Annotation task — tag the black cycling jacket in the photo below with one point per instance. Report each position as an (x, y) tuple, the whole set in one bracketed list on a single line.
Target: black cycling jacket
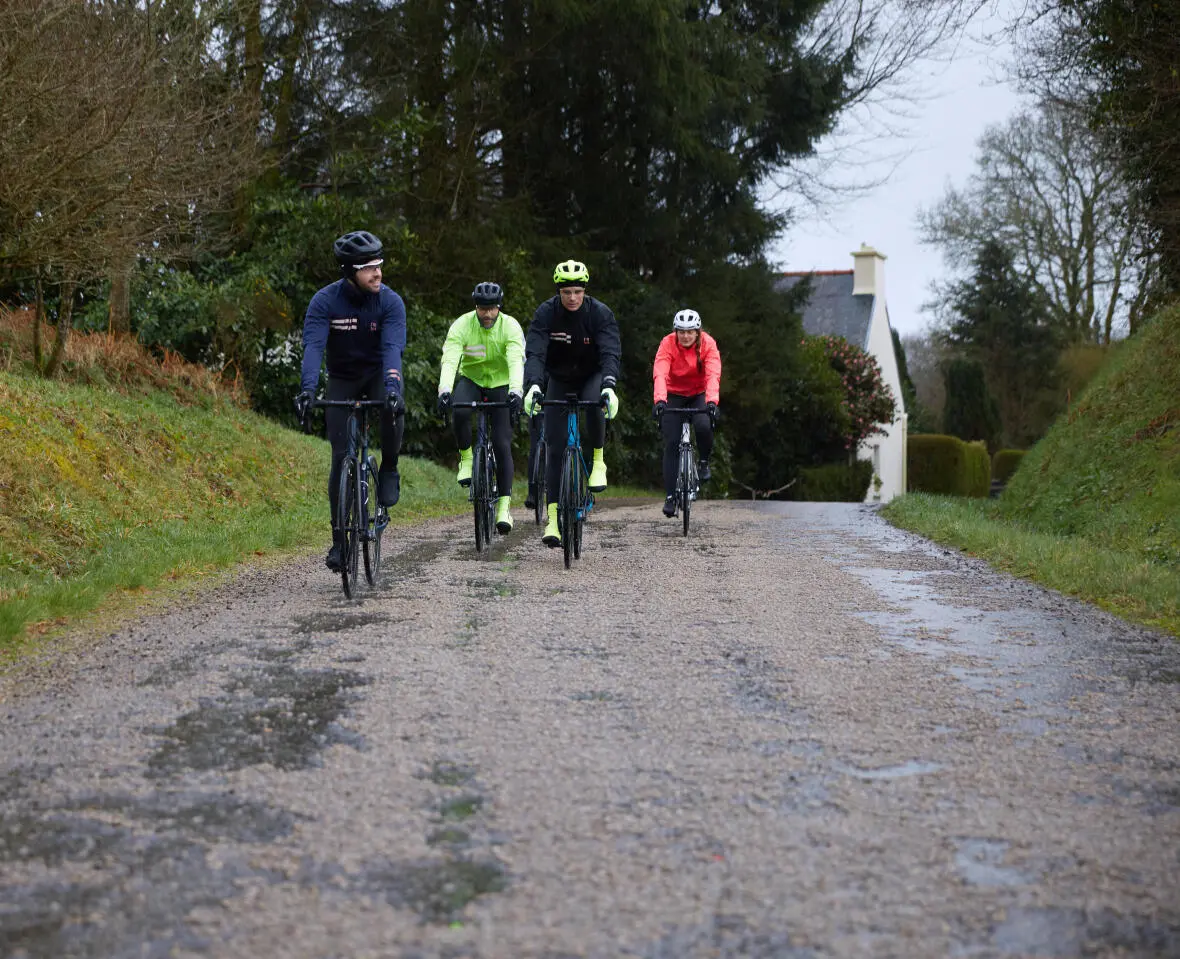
[(572, 346)]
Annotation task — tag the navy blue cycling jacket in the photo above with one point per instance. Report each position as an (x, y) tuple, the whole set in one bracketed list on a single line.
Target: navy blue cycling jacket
[(363, 333)]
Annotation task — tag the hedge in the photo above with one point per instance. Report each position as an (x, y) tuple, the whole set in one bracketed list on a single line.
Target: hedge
[(947, 465), (834, 482), (1004, 464)]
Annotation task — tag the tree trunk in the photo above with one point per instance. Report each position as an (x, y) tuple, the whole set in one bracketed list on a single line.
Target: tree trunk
[(292, 49), (38, 313), (65, 319), (119, 302)]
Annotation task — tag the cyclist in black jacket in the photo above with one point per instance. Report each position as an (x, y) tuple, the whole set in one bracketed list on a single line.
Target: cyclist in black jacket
[(574, 341), (361, 324)]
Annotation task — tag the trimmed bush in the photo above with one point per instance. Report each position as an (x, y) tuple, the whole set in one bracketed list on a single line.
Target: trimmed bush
[(977, 470), (946, 465), (1004, 464), (834, 482)]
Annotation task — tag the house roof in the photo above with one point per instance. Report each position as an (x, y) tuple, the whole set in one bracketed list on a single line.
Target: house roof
[(833, 310)]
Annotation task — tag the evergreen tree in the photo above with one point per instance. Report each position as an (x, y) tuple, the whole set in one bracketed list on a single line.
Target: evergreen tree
[(971, 412), (1001, 322)]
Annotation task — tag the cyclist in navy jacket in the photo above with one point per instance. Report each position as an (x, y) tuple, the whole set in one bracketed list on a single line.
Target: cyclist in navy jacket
[(361, 323)]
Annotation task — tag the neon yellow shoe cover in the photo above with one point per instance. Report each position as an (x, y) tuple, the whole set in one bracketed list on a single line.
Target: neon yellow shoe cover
[(597, 481)]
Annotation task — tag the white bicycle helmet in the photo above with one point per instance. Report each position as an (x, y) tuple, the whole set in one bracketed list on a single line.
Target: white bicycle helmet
[(686, 320)]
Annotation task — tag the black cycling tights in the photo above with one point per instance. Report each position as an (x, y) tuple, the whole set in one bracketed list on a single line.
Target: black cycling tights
[(336, 417), (593, 428), (671, 429), (467, 391)]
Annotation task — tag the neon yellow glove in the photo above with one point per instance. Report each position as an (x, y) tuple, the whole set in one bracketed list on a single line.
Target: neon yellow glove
[(532, 400), (612, 403)]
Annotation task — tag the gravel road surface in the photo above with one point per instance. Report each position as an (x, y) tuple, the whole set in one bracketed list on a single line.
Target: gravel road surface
[(796, 733)]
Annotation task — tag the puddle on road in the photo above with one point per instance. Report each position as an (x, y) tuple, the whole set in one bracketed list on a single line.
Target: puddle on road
[(913, 767), (980, 863), (336, 621), (1033, 647), (150, 869), (276, 715), (1029, 933), (437, 891)]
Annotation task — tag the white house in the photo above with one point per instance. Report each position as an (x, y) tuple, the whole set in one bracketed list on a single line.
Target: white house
[(851, 304)]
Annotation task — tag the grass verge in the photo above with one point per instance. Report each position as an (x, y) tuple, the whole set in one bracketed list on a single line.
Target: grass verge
[(1119, 581), (105, 496)]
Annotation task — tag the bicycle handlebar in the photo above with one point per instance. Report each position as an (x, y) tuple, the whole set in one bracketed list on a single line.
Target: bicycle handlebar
[(684, 411), (354, 404), (579, 404)]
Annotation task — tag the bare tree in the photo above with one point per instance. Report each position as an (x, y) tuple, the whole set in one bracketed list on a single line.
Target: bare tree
[(1052, 192), (121, 138)]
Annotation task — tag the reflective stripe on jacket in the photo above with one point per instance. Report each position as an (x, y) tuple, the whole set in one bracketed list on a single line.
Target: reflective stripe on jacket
[(489, 358)]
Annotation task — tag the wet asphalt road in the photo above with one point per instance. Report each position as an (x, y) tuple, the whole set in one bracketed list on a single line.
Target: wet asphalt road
[(798, 733)]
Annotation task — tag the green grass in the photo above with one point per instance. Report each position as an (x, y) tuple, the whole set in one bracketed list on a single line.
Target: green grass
[(1094, 508), (1119, 581), (105, 496)]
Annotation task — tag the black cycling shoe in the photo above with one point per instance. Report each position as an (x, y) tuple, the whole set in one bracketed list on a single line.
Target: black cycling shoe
[(335, 558), (389, 487), (704, 473), (669, 506)]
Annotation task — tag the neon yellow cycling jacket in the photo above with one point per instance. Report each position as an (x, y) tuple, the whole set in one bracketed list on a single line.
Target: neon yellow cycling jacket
[(488, 358)]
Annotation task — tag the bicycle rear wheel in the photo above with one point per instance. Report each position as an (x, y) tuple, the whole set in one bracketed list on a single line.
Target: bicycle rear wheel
[(348, 521), (685, 481), (538, 482), (369, 520)]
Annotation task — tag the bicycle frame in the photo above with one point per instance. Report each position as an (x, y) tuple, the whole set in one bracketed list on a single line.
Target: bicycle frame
[(573, 505), (482, 492), (687, 482), (362, 530)]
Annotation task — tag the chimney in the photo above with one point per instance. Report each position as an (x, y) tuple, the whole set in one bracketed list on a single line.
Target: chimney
[(868, 272)]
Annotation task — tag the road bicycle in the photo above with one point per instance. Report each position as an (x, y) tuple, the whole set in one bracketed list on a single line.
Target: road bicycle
[(574, 499), (483, 492), (360, 519), (688, 483), (537, 480)]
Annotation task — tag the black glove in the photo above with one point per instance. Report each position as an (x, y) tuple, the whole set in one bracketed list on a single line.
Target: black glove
[(657, 411), (515, 402), (394, 402), (444, 403), (303, 403), (711, 409)]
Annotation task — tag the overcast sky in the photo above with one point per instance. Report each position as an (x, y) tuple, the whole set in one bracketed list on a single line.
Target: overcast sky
[(961, 99)]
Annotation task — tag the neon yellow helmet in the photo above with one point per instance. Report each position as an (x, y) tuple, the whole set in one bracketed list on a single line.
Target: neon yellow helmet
[(571, 271)]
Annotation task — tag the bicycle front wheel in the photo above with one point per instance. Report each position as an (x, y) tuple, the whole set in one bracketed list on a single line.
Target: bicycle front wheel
[(372, 532), (479, 495), (569, 503), (348, 522), (686, 483)]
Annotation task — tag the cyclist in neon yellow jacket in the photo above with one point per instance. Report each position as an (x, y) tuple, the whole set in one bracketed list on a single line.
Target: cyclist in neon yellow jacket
[(483, 359)]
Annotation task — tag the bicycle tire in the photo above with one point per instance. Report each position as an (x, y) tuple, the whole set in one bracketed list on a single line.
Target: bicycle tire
[(569, 505), (583, 498), (479, 495), (347, 521), (369, 516), (686, 482), (538, 482)]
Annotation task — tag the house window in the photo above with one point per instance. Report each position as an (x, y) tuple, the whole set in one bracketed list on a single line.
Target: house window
[(877, 458)]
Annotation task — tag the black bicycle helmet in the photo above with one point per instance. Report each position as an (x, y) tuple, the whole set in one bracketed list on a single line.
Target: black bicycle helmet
[(356, 249), (488, 294)]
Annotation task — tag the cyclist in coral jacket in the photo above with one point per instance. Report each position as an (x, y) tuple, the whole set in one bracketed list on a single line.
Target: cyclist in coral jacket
[(686, 373)]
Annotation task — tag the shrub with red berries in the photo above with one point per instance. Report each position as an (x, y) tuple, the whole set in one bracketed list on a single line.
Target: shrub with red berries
[(868, 401)]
